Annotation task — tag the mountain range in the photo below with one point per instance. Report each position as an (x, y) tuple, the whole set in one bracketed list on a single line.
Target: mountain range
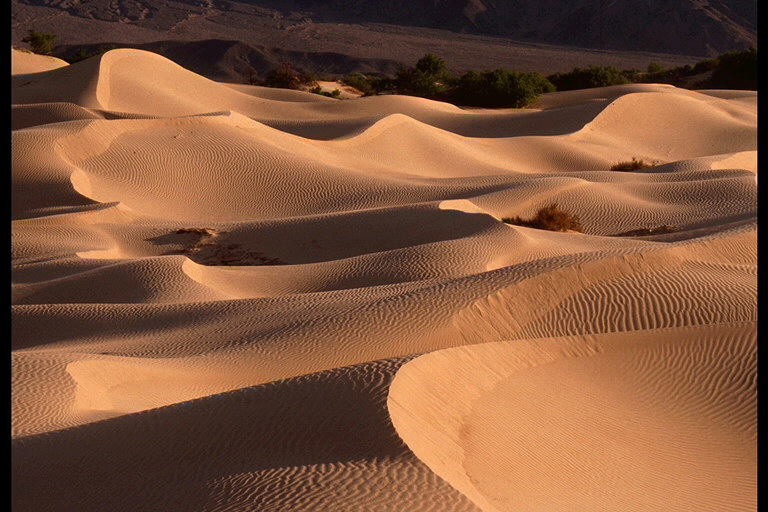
[(231, 38)]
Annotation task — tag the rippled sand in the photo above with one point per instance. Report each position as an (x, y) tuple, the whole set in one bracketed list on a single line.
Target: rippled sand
[(232, 298)]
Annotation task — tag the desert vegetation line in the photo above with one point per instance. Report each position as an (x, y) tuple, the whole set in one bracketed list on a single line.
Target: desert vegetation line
[(430, 78)]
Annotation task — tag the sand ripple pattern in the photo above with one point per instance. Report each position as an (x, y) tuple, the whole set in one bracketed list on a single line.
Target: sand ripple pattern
[(229, 298), (648, 420)]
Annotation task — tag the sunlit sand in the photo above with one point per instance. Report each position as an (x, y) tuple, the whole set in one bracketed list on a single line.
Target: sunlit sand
[(230, 298)]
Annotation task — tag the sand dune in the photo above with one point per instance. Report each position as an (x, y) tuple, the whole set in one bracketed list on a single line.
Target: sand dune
[(630, 421), (236, 298)]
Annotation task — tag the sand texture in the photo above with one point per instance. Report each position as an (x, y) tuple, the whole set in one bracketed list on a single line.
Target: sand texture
[(233, 298)]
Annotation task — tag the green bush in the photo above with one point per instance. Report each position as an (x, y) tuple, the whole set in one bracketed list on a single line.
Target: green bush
[(655, 67), (736, 70), (499, 88), (431, 64), (40, 42), (336, 93), (732, 70), (634, 75), (550, 218), (286, 77), (428, 78), (594, 76), (366, 84), (704, 66)]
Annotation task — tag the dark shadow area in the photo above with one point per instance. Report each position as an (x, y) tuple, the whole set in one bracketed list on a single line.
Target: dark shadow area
[(202, 245), (321, 238), (167, 456)]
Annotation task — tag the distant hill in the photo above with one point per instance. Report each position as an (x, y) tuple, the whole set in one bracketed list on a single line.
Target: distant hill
[(688, 27), (337, 36), (237, 62), (684, 27)]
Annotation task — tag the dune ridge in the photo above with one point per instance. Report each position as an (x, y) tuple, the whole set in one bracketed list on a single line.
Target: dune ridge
[(282, 301)]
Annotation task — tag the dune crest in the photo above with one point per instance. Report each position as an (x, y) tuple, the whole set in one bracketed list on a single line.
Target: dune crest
[(226, 297), (603, 422), (26, 63)]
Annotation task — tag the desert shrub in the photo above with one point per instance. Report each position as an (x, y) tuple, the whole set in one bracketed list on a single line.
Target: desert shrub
[(731, 70), (735, 70), (594, 76), (40, 42), (549, 217), (704, 65), (367, 84), (631, 165), (428, 78), (634, 75), (433, 65), (336, 93), (499, 88), (286, 77), (666, 76), (418, 83)]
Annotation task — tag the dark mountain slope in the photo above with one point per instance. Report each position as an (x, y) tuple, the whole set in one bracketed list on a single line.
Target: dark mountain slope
[(238, 62), (689, 27), (681, 27), (230, 40)]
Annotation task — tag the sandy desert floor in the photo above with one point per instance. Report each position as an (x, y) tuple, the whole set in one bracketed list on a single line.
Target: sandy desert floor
[(232, 298)]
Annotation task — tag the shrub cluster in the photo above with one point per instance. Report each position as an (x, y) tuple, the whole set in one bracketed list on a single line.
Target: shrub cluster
[(368, 84), (336, 93), (731, 70), (40, 42), (735, 70), (286, 77), (499, 88), (593, 76), (549, 217), (430, 78)]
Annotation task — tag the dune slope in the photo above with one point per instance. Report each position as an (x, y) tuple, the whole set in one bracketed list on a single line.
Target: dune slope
[(235, 299)]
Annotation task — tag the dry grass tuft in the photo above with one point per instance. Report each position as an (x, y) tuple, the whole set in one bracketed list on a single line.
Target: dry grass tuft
[(550, 218), (633, 165)]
